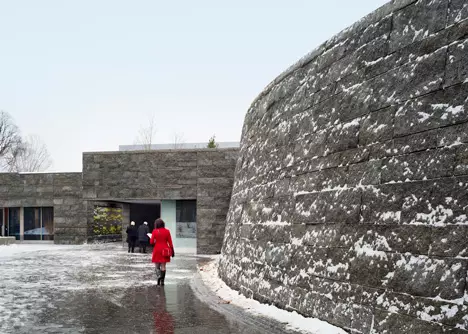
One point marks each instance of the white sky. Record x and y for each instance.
(84, 75)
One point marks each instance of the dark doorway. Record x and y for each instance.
(140, 213)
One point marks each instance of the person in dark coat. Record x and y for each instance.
(132, 236)
(143, 237)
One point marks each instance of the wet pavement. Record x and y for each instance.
(100, 289)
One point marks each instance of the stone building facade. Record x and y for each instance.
(121, 180)
(350, 199)
(60, 193)
(204, 175)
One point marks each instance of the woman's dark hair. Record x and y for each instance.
(159, 223)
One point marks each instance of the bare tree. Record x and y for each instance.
(32, 157)
(179, 141)
(147, 134)
(11, 144)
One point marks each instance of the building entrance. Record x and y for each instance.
(140, 213)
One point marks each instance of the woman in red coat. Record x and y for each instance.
(163, 249)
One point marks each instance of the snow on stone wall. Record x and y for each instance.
(350, 199)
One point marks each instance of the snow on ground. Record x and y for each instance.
(19, 249)
(36, 278)
(293, 320)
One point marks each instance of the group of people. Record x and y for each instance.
(163, 248)
(139, 234)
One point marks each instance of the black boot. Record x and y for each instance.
(163, 276)
(159, 275)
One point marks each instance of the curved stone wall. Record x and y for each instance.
(350, 199)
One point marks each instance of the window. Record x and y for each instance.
(47, 223)
(38, 223)
(186, 211)
(32, 224)
(14, 222)
(186, 219)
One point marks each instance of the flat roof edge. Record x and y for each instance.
(186, 150)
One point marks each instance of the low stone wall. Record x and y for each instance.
(350, 199)
(62, 191)
(7, 241)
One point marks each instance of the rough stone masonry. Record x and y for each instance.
(350, 197)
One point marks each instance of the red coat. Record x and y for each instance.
(161, 239)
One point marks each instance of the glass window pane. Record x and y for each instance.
(47, 223)
(2, 228)
(186, 218)
(32, 224)
(14, 222)
(186, 211)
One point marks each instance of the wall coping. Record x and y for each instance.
(187, 150)
(41, 173)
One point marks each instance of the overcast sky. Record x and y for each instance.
(85, 75)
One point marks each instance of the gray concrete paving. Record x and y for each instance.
(102, 289)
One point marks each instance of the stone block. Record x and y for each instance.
(320, 163)
(453, 135)
(326, 179)
(89, 193)
(70, 231)
(377, 126)
(457, 68)
(457, 11)
(7, 241)
(344, 136)
(441, 108)
(449, 313)
(311, 144)
(461, 160)
(362, 317)
(317, 235)
(419, 166)
(215, 171)
(369, 267)
(330, 206)
(385, 321)
(449, 241)
(429, 277)
(382, 204)
(435, 203)
(354, 156)
(417, 21)
(364, 173)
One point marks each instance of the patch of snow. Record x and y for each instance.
(267, 210)
(423, 116)
(453, 111)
